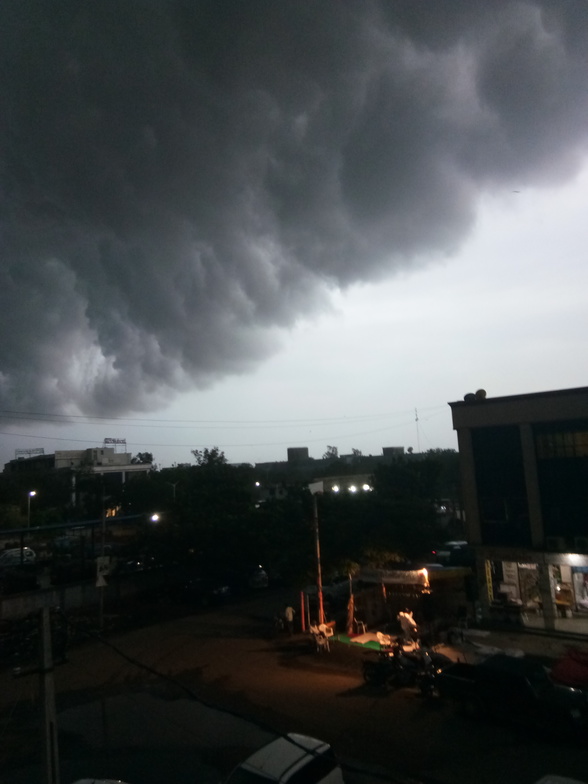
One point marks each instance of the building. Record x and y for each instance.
(115, 467)
(524, 467)
(100, 460)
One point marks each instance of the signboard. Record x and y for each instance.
(115, 441)
(396, 576)
(102, 570)
(510, 573)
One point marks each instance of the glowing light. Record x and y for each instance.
(577, 560)
(425, 574)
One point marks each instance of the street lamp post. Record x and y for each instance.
(32, 494)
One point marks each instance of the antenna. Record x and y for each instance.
(416, 419)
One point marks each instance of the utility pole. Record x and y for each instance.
(100, 565)
(47, 689)
(319, 576)
(44, 668)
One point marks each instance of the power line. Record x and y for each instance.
(290, 441)
(50, 418)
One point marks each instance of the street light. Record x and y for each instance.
(154, 518)
(32, 494)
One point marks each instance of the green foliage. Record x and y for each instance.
(209, 457)
(142, 458)
(374, 558)
(212, 511)
(11, 516)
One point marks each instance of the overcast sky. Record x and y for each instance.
(269, 224)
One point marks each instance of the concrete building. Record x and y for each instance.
(97, 460)
(524, 466)
(100, 460)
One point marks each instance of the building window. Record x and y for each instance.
(573, 443)
(500, 479)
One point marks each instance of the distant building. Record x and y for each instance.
(348, 483)
(33, 464)
(102, 460)
(524, 465)
(393, 451)
(297, 453)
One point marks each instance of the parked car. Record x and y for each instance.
(199, 591)
(335, 590)
(99, 781)
(245, 578)
(257, 577)
(296, 759)
(515, 689)
(16, 556)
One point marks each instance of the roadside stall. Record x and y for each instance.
(433, 595)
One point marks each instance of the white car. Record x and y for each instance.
(554, 778)
(99, 781)
(13, 557)
(296, 759)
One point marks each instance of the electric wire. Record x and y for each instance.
(191, 694)
(254, 444)
(50, 418)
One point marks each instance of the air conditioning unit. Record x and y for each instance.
(556, 544)
(581, 544)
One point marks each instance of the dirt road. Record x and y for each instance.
(231, 659)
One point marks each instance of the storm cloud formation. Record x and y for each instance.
(178, 178)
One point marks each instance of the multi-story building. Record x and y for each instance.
(96, 460)
(524, 466)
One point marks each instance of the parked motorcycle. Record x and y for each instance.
(397, 668)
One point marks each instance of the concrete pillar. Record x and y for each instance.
(547, 592)
(484, 582)
(532, 485)
(469, 486)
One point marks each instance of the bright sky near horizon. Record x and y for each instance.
(304, 229)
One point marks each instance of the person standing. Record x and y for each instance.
(408, 626)
(289, 614)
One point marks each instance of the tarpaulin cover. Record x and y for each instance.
(572, 669)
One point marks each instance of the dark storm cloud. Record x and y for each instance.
(177, 178)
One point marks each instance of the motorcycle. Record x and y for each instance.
(397, 669)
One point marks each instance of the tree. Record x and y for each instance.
(332, 453)
(209, 457)
(142, 458)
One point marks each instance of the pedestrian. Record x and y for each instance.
(278, 623)
(289, 614)
(408, 626)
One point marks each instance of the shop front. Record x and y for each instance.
(434, 596)
(547, 591)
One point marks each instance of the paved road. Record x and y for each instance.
(109, 706)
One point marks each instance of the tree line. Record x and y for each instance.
(219, 514)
